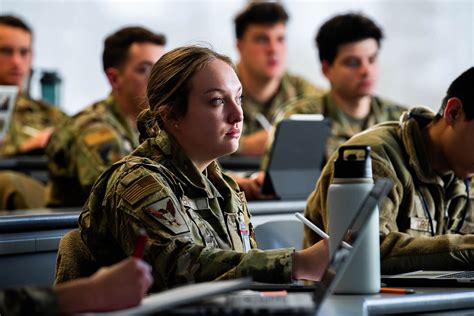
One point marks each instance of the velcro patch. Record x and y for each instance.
(141, 189)
(98, 137)
(165, 212)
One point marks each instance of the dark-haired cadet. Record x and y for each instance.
(32, 120)
(260, 31)
(426, 223)
(348, 47)
(89, 142)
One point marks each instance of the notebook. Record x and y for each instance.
(7, 104)
(296, 156)
(431, 278)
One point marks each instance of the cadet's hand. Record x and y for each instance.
(254, 144)
(122, 285)
(310, 263)
(119, 286)
(38, 141)
(252, 186)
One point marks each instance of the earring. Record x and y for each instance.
(176, 125)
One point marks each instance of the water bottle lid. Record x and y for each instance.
(353, 162)
(50, 77)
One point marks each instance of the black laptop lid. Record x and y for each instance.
(296, 156)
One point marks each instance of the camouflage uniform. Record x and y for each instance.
(194, 220)
(28, 301)
(399, 153)
(83, 147)
(29, 117)
(291, 87)
(343, 126)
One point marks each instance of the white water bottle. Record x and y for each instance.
(351, 184)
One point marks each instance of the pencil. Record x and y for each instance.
(394, 290)
(317, 230)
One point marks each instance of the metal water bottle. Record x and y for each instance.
(351, 184)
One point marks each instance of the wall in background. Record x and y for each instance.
(427, 42)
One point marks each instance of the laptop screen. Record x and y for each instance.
(7, 103)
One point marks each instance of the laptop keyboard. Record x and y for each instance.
(459, 275)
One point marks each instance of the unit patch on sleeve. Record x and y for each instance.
(165, 212)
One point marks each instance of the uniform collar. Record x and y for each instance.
(188, 173)
(131, 130)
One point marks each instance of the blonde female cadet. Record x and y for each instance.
(197, 220)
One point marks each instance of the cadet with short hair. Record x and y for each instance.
(426, 223)
(261, 41)
(32, 121)
(89, 142)
(348, 47)
(171, 185)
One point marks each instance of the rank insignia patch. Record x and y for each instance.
(165, 212)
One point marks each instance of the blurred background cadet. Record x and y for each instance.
(32, 121)
(260, 30)
(348, 46)
(90, 141)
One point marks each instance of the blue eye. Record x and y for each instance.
(217, 101)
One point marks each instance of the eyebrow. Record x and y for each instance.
(219, 90)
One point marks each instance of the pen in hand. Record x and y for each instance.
(140, 243)
(317, 230)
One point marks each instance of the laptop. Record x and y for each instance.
(296, 156)
(423, 278)
(7, 104)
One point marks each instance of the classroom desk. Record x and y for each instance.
(34, 166)
(29, 239)
(426, 301)
(240, 163)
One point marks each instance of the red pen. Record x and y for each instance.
(140, 243)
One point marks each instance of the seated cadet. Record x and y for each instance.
(261, 41)
(92, 140)
(32, 121)
(172, 186)
(348, 47)
(426, 223)
(120, 286)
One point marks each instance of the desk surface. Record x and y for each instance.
(39, 162)
(53, 218)
(437, 301)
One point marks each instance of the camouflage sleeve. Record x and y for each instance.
(305, 88)
(181, 247)
(401, 251)
(28, 301)
(96, 147)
